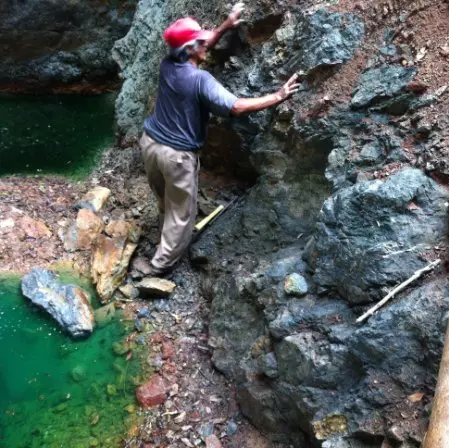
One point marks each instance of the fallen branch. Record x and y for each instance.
(398, 288)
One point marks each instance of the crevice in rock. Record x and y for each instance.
(262, 30)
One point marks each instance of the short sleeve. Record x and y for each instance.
(216, 98)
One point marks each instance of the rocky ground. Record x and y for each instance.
(34, 214)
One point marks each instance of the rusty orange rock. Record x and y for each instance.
(83, 233)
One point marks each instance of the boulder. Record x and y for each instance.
(69, 305)
(94, 199)
(83, 232)
(111, 257)
(142, 265)
(372, 234)
(381, 83)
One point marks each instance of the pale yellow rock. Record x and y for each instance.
(83, 233)
(154, 286)
(111, 257)
(329, 426)
(129, 291)
(95, 199)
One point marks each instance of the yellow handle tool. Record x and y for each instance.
(203, 223)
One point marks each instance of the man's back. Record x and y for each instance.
(186, 97)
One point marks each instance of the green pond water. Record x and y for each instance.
(56, 392)
(61, 134)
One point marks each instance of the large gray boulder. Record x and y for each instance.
(381, 83)
(69, 305)
(376, 233)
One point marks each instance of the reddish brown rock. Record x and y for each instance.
(142, 265)
(213, 442)
(153, 392)
(417, 87)
(168, 351)
(34, 228)
(157, 338)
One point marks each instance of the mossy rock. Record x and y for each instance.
(104, 315)
(111, 390)
(60, 408)
(120, 348)
(78, 373)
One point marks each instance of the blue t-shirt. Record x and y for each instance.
(186, 98)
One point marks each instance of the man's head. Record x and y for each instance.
(187, 40)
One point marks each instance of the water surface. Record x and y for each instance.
(63, 134)
(55, 392)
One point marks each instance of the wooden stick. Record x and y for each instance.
(438, 433)
(399, 288)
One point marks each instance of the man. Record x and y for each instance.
(177, 129)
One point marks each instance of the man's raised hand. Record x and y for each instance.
(234, 17)
(289, 88)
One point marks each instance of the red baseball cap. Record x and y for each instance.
(184, 31)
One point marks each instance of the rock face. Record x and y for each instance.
(401, 217)
(46, 44)
(69, 305)
(350, 194)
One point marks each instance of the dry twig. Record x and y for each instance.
(398, 288)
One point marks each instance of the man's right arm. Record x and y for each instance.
(248, 105)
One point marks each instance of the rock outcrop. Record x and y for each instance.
(69, 305)
(47, 45)
(350, 194)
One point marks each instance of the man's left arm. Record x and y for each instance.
(232, 21)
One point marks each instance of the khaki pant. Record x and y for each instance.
(173, 178)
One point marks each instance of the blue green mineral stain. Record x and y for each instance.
(57, 134)
(56, 392)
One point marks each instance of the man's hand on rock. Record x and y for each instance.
(234, 19)
(288, 89)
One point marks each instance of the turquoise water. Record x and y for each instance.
(55, 392)
(61, 134)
